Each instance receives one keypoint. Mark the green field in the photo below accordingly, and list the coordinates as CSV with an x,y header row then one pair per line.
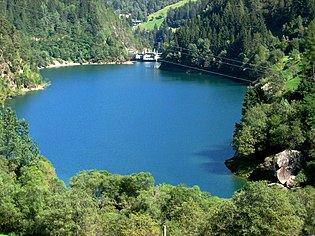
x,y
293,84
291,69
293,78
157,18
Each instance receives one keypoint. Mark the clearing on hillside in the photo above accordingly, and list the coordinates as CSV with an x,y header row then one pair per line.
x,y
157,18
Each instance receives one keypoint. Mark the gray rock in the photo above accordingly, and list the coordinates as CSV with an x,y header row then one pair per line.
x,y
282,167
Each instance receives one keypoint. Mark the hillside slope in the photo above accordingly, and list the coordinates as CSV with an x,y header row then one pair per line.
x,y
138,9
157,18
42,32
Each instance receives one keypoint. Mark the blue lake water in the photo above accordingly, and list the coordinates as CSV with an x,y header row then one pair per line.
x,y
133,118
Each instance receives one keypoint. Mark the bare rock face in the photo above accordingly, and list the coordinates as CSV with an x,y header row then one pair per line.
x,y
282,167
289,163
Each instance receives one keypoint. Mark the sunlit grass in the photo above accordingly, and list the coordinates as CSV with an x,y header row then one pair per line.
x,y
157,18
293,84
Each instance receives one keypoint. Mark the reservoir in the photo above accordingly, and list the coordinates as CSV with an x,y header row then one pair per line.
x,y
136,118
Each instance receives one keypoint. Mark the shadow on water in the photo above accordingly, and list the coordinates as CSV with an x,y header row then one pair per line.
x,y
201,78
20,102
67,72
213,160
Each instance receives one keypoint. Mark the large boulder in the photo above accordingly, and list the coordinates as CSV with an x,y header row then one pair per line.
x,y
281,167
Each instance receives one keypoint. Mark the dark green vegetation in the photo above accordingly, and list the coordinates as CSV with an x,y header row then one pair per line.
x,y
33,34
16,68
240,38
138,9
277,116
34,201
177,17
156,19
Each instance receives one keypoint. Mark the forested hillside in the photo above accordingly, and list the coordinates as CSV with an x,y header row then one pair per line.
x,y
33,201
279,112
36,33
18,68
139,9
70,30
177,17
242,38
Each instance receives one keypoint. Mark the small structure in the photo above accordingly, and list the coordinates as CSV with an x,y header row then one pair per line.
x,y
138,57
147,56
136,22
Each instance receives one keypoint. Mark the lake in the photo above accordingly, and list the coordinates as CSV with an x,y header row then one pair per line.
x,y
136,118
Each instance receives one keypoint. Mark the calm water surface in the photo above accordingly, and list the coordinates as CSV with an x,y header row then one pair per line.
x,y
133,118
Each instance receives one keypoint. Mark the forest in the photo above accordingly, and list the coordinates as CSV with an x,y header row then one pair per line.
x,y
241,38
34,34
138,9
268,42
281,115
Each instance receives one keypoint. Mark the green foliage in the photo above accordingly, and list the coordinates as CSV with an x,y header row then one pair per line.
x,y
27,178
142,225
304,202
157,18
258,210
69,212
10,215
234,30
113,191
287,114
34,35
139,9
247,38
15,143
310,49
252,137
16,62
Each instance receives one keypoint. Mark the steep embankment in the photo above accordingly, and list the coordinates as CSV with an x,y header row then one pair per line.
x,y
279,114
17,70
33,35
241,39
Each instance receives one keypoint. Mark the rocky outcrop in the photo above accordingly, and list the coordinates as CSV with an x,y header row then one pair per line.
x,y
281,167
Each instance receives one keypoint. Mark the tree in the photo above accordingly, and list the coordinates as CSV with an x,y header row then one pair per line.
x,y
142,225
11,217
310,49
258,210
251,134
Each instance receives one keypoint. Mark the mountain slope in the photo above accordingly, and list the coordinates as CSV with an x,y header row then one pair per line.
x,y
157,18
41,32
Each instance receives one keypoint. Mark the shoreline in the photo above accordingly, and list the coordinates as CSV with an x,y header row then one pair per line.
x,y
36,88
57,64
